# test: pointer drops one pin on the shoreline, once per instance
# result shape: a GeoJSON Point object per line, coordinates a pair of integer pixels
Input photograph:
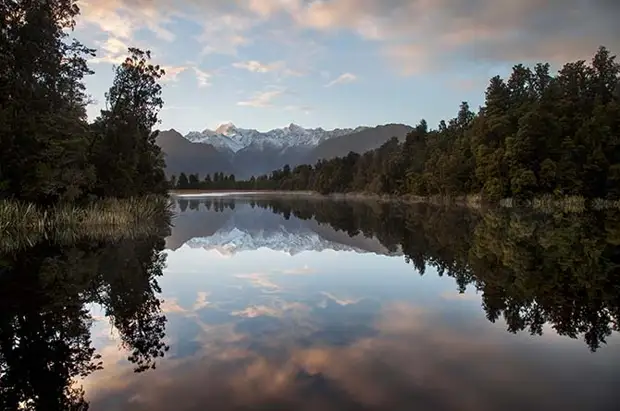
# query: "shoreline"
{"type": "Point", "coordinates": [544, 203]}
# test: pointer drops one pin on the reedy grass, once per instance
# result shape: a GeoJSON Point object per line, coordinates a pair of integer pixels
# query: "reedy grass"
{"type": "Point", "coordinates": [23, 225]}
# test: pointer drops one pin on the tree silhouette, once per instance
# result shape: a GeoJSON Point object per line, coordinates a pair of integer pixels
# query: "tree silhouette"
{"type": "Point", "coordinates": [45, 327]}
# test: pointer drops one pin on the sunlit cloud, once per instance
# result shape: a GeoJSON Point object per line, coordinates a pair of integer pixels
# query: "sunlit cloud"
{"type": "Point", "coordinates": [258, 67]}
{"type": "Point", "coordinates": [172, 73]}
{"type": "Point", "coordinates": [202, 77]}
{"type": "Point", "coordinates": [262, 100]}
{"type": "Point", "coordinates": [342, 79]}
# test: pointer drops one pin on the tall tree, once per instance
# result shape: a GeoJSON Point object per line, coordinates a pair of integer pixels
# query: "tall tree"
{"type": "Point", "coordinates": [43, 126]}
{"type": "Point", "coordinates": [127, 159]}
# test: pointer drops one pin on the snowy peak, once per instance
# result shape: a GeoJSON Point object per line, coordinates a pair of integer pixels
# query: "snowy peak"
{"type": "Point", "coordinates": [230, 241]}
{"type": "Point", "coordinates": [228, 137]}
{"type": "Point", "coordinates": [227, 129]}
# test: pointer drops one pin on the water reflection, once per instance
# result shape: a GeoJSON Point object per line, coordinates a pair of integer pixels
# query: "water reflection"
{"type": "Point", "coordinates": [304, 304]}
{"type": "Point", "coordinates": [45, 323]}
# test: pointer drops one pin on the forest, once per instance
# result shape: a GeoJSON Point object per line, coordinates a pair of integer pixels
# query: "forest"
{"type": "Point", "coordinates": [537, 133]}
{"type": "Point", "coordinates": [49, 152]}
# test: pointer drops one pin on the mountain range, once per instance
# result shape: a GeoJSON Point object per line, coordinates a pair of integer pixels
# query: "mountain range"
{"type": "Point", "coordinates": [247, 152]}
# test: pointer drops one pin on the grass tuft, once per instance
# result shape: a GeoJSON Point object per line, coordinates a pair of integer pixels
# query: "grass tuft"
{"type": "Point", "coordinates": [23, 225]}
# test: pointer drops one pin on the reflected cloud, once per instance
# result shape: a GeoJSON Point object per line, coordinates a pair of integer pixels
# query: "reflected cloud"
{"type": "Point", "coordinates": [171, 305]}
{"type": "Point", "coordinates": [278, 310]}
{"type": "Point", "coordinates": [201, 301]}
{"type": "Point", "coordinates": [299, 271]}
{"type": "Point", "coordinates": [340, 300]}
{"type": "Point", "coordinates": [260, 280]}
{"type": "Point", "coordinates": [415, 361]}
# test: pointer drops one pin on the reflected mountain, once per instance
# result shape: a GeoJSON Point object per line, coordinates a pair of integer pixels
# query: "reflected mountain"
{"type": "Point", "coordinates": [232, 225]}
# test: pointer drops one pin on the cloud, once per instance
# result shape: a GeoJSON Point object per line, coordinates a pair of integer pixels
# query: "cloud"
{"type": "Point", "coordinates": [277, 67]}
{"type": "Point", "coordinates": [415, 35]}
{"type": "Point", "coordinates": [342, 79]}
{"type": "Point", "coordinates": [172, 73]}
{"type": "Point", "coordinates": [258, 67]}
{"type": "Point", "coordinates": [263, 99]}
{"type": "Point", "coordinates": [504, 30]}
{"type": "Point", "coordinates": [111, 51]}
{"type": "Point", "coordinates": [225, 34]}
{"type": "Point", "coordinates": [122, 18]}
{"type": "Point", "coordinates": [202, 77]}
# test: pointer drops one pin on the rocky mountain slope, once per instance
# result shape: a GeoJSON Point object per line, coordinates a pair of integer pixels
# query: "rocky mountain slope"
{"type": "Point", "coordinates": [184, 156]}
{"type": "Point", "coordinates": [247, 152]}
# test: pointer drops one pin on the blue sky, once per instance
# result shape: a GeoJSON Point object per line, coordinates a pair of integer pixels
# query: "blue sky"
{"type": "Point", "coordinates": [334, 63]}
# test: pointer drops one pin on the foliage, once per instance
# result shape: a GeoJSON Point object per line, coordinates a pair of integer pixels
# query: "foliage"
{"type": "Point", "coordinates": [24, 224]}
{"type": "Point", "coordinates": [536, 134]}
{"type": "Point", "coordinates": [49, 153]}
{"type": "Point", "coordinates": [127, 159]}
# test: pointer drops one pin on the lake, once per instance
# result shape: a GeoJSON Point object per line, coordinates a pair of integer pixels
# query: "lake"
{"type": "Point", "coordinates": [276, 303]}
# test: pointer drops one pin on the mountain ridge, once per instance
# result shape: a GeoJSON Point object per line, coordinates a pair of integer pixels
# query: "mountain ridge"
{"type": "Point", "coordinates": [229, 137]}
{"type": "Point", "coordinates": [249, 152]}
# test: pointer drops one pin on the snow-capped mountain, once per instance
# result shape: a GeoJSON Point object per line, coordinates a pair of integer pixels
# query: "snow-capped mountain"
{"type": "Point", "coordinates": [248, 152]}
{"type": "Point", "coordinates": [246, 228]}
{"type": "Point", "coordinates": [230, 241]}
{"type": "Point", "coordinates": [231, 138]}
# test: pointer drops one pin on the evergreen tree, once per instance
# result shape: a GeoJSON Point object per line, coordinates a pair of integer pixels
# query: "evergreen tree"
{"type": "Point", "coordinates": [127, 160]}
{"type": "Point", "coordinates": [43, 124]}
{"type": "Point", "coordinates": [183, 182]}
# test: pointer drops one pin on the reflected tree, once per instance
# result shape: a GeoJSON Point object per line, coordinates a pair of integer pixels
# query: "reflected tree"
{"type": "Point", "coordinates": [45, 343]}
{"type": "Point", "coordinates": [531, 269]}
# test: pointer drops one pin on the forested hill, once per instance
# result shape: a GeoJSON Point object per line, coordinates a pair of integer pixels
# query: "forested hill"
{"type": "Point", "coordinates": [537, 133]}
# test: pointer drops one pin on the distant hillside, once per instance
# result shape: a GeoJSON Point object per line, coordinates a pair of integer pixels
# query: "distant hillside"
{"type": "Point", "coordinates": [198, 156]}
{"type": "Point", "coordinates": [184, 156]}
{"type": "Point", "coordinates": [358, 142]}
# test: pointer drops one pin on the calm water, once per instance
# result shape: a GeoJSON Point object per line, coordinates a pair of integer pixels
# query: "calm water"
{"type": "Point", "coordinates": [258, 304]}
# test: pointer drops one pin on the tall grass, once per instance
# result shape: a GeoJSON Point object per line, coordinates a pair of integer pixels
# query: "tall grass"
{"type": "Point", "coordinates": [23, 225]}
